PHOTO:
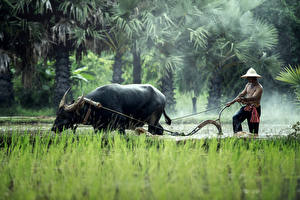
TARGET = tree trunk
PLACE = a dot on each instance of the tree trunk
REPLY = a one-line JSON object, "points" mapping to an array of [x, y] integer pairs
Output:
{"points": [[137, 67], [167, 89], [6, 88], [62, 73], [194, 100], [214, 90], [28, 69], [117, 69]]}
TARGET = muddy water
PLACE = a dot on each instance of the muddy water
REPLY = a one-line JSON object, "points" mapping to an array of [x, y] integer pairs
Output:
{"points": [[267, 130], [210, 131]]}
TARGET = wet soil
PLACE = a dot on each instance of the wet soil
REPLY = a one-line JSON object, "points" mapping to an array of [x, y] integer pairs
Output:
{"points": [[267, 130]]}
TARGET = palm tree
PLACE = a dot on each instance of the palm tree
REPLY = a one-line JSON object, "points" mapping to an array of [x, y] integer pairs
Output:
{"points": [[191, 78], [160, 34], [137, 65], [56, 28], [126, 30], [143, 30], [19, 43], [6, 86], [118, 44], [78, 26], [6, 92], [192, 38], [230, 37]]}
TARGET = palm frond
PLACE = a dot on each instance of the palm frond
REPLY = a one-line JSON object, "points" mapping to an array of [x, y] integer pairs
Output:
{"points": [[199, 37], [108, 40], [40, 48], [4, 60], [265, 35], [269, 64], [19, 6], [165, 20], [290, 75], [126, 6], [170, 62], [36, 30], [232, 10], [81, 36], [136, 25], [149, 24], [242, 50], [247, 5], [9, 4], [77, 10], [61, 30], [124, 27], [43, 6], [246, 22]]}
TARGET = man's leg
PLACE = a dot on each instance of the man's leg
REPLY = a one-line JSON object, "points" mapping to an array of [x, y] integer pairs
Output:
{"points": [[253, 127], [238, 119]]}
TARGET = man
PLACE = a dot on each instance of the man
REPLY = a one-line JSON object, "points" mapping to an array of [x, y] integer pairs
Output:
{"points": [[251, 97]]}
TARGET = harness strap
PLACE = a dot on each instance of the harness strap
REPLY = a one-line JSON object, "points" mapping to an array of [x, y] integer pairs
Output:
{"points": [[88, 113], [94, 103], [99, 105]]}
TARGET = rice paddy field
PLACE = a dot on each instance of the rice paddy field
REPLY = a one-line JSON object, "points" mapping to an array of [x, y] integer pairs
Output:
{"points": [[38, 164]]}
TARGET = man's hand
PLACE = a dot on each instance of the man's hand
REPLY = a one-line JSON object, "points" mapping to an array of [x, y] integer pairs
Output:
{"points": [[237, 99], [229, 103]]}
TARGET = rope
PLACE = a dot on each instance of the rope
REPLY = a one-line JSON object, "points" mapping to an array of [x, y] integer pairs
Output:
{"points": [[144, 122], [185, 116], [98, 105]]}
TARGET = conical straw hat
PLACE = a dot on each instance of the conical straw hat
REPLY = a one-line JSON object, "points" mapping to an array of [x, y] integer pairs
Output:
{"points": [[251, 73]]}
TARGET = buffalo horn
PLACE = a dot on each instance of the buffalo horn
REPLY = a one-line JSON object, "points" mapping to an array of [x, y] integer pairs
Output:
{"points": [[63, 100], [74, 105]]}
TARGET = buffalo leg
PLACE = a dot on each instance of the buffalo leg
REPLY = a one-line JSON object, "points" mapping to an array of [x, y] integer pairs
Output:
{"points": [[154, 127], [119, 123]]}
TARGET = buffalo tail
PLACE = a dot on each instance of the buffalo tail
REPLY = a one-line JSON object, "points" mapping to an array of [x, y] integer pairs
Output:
{"points": [[167, 118]]}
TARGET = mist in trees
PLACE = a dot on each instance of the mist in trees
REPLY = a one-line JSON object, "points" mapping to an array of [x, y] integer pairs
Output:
{"points": [[185, 46]]}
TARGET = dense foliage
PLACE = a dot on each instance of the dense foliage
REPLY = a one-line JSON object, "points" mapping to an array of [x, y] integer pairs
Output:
{"points": [[181, 46]]}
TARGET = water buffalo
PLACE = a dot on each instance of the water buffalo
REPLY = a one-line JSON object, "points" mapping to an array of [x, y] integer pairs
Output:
{"points": [[139, 101]]}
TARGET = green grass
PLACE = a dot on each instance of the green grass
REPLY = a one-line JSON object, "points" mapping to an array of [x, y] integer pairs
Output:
{"points": [[30, 112], [97, 166], [26, 120], [20, 115]]}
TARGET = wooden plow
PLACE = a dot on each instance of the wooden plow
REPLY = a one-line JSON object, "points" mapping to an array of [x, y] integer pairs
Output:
{"points": [[216, 123]]}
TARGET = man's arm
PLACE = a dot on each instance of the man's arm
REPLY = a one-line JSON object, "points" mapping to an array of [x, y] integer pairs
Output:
{"points": [[238, 98]]}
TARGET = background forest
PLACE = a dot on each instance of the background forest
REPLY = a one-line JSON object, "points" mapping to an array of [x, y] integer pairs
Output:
{"points": [[193, 51]]}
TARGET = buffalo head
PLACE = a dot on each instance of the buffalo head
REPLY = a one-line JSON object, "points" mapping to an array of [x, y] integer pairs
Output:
{"points": [[66, 114]]}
